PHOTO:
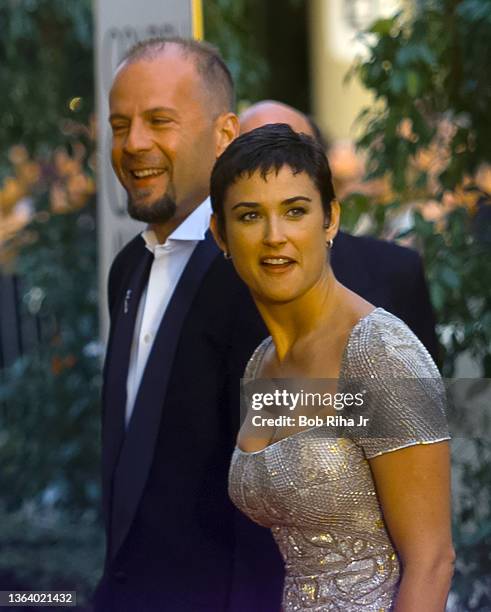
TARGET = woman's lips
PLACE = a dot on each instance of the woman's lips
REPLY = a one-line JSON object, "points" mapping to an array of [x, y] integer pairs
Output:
{"points": [[277, 264]]}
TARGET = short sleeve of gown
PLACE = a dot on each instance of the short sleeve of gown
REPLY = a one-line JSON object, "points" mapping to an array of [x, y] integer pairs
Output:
{"points": [[403, 394], [255, 360]]}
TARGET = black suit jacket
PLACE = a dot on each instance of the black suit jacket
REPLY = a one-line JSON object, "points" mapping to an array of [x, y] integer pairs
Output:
{"points": [[174, 541]]}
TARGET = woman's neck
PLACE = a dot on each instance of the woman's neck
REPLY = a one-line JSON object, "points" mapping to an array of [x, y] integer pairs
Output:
{"points": [[290, 322]]}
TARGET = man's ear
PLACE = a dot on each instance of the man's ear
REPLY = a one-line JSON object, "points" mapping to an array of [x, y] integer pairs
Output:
{"points": [[214, 227], [332, 229], [227, 127]]}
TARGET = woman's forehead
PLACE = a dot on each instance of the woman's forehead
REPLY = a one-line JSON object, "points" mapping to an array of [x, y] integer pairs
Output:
{"points": [[275, 184], [274, 176]]}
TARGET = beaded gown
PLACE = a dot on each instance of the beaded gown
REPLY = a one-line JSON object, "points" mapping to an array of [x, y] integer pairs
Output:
{"points": [[315, 491]]}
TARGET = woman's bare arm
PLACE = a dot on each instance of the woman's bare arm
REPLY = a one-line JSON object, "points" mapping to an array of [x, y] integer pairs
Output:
{"points": [[413, 485]]}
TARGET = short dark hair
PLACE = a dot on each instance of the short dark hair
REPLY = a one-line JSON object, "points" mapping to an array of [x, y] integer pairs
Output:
{"points": [[265, 149], [208, 61]]}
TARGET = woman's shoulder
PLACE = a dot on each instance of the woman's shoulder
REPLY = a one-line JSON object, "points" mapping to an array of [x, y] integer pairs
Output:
{"points": [[404, 396], [380, 343]]}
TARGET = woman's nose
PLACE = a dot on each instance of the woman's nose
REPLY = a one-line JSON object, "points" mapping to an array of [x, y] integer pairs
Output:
{"points": [[274, 232]]}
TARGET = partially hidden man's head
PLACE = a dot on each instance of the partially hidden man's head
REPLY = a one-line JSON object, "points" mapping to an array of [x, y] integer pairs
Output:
{"points": [[171, 114], [272, 111]]}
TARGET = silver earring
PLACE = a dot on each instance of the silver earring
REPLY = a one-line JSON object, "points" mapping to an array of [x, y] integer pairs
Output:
{"points": [[329, 243], [227, 255]]}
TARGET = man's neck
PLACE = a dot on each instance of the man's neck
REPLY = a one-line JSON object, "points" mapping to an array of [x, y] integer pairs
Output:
{"points": [[164, 230]]}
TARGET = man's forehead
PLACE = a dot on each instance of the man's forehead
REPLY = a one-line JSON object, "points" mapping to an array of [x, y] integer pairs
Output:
{"points": [[171, 61], [169, 79]]}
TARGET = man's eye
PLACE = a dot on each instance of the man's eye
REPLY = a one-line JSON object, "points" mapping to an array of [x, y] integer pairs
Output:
{"points": [[298, 211], [160, 121], [118, 127]]}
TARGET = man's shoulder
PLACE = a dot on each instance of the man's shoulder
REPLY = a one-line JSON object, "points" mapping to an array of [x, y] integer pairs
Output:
{"points": [[375, 250], [131, 249], [130, 254], [223, 278], [223, 290], [122, 264]]}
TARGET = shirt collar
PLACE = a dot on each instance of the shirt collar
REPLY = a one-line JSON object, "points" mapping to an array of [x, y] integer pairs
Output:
{"points": [[194, 227]]}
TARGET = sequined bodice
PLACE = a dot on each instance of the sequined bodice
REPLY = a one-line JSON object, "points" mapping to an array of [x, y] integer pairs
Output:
{"points": [[316, 492]]}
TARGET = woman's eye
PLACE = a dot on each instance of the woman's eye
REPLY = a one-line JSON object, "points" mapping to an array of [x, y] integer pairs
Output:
{"points": [[249, 216], [298, 211]]}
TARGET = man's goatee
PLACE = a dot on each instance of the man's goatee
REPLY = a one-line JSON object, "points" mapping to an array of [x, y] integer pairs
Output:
{"points": [[159, 212]]}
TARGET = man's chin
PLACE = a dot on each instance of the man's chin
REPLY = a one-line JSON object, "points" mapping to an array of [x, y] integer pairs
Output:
{"points": [[158, 211]]}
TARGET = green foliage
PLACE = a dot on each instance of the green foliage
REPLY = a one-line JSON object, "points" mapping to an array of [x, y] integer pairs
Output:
{"points": [[433, 67], [472, 527], [228, 26], [46, 59], [431, 73], [49, 398], [430, 133], [50, 534], [48, 549], [457, 262]]}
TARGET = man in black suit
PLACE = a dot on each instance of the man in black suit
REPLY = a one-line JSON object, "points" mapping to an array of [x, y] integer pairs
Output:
{"points": [[384, 273], [182, 328]]}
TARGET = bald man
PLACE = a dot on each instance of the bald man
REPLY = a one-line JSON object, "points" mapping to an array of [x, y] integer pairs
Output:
{"points": [[383, 273], [183, 327], [270, 111]]}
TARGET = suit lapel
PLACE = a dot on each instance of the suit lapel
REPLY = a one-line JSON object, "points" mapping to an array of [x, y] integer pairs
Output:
{"points": [[137, 451], [116, 369]]}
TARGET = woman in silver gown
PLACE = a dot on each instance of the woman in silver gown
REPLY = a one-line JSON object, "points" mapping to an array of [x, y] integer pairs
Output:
{"points": [[361, 515]]}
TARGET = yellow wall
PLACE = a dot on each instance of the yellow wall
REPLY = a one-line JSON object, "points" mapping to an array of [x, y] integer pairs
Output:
{"points": [[335, 104]]}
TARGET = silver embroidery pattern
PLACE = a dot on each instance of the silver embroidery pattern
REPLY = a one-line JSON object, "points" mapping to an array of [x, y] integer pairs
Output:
{"points": [[316, 493]]}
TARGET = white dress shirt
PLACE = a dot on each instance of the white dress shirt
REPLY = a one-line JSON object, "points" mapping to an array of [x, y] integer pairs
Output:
{"points": [[170, 259]]}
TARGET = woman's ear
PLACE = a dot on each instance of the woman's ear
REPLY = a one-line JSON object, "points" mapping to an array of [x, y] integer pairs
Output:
{"points": [[332, 228], [215, 230]]}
